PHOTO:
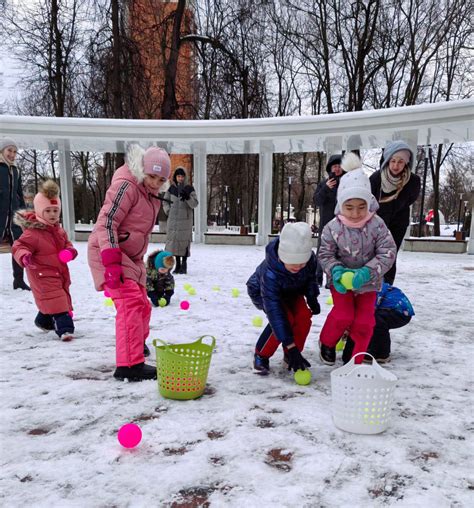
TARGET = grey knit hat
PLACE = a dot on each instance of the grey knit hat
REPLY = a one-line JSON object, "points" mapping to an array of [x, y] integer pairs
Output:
{"points": [[4, 142], [392, 148]]}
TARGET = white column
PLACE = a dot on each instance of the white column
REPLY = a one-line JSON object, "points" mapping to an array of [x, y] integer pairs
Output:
{"points": [[200, 184], [67, 193], [265, 177], [470, 245]]}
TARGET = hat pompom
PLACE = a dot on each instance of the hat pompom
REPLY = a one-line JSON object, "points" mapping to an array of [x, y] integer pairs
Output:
{"points": [[49, 189], [351, 161]]}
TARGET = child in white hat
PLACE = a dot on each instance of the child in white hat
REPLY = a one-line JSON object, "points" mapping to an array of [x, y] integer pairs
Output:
{"points": [[284, 286], [355, 241]]}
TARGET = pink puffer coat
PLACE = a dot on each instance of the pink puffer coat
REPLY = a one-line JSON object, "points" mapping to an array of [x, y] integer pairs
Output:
{"points": [[125, 221], [48, 276]]}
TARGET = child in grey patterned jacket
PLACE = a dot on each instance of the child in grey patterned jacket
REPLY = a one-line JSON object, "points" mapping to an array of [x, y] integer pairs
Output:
{"points": [[357, 243]]}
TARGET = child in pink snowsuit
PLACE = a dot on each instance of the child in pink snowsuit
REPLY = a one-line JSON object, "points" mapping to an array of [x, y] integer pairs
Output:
{"points": [[116, 249], [356, 241]]}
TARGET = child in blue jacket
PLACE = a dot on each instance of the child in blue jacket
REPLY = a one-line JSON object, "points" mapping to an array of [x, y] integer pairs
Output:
{"points": [[392, 310], [285, 287]]}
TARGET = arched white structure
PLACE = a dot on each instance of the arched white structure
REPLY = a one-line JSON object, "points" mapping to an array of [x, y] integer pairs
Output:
{"points": [[446, 122]]}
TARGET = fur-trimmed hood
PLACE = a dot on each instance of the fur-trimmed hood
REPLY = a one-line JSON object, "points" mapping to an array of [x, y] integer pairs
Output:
{"points": [[27, 219], [134, 160]]}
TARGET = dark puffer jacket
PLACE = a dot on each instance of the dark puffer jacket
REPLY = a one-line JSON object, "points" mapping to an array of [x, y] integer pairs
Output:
{"points": [[11, 198], [272, 285], [324, 197]]}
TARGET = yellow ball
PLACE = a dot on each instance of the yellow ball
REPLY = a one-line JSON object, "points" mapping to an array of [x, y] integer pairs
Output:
{"points": [[340, 345], [257, 321], [235, 292], [162, 302], [191, 291], [216, 288], [187, 286], [109, 302], [346, 280], [302, 377], [329, 300]]}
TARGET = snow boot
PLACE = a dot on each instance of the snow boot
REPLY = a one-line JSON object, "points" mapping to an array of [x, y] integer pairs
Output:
{"points": [[18, 282], [327, 354], [184, 265], [177, 270], [44, 322], [138, 372], [261, 365]]}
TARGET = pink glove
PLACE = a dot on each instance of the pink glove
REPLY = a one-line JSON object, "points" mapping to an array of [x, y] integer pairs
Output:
{"points": [[112, 260], [67, 255], [27, 261]]}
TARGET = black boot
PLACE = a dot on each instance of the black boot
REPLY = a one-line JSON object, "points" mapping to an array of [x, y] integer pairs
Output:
{"points": [[146, 350], [184, 265], [18, 282], [138, 372], [178, 265]]}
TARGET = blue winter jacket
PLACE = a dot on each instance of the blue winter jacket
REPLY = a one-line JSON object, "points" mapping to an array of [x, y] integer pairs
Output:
{"points": [[272, 285], [390, 297]]}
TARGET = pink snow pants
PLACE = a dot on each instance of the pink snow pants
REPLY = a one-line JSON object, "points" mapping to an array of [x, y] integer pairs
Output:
{"points": [[132, 322], [353, 312]]}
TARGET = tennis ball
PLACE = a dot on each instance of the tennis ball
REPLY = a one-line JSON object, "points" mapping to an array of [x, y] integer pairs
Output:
{"points": [[108, 302], [329, 300], [216, 288], [346, 280], [191, 291], [340, 345], [162, 302], [187, 286], [302, 377], [235, 292], [257, 321]]}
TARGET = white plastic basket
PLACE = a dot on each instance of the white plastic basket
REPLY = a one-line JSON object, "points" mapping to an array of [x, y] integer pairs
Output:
{"points": [[362, 397]]}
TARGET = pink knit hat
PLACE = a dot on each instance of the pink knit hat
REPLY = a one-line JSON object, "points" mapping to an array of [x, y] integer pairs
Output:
{"points": [[156, 162], [46, 197]]}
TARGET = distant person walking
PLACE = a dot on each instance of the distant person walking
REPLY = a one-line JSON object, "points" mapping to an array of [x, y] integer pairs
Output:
{"points": [[11, 200], [325, 199], [396, 188], [179, 201]]}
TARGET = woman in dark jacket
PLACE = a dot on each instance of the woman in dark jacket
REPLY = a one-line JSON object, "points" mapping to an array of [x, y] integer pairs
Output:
{"points": [[325, 198], [11, 200], [396, 188]]}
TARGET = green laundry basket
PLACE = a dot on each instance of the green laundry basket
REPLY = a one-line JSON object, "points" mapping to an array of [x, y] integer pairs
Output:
{"points": [[182, 368]]}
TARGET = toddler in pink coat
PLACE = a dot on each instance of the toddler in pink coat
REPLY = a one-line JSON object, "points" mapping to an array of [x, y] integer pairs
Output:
{"points": [[116, 249], [44, 250]]}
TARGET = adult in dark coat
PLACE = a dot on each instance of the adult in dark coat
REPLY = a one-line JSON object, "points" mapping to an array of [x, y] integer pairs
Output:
{"points": [[11, 200], [396, 188], [325, 199]]}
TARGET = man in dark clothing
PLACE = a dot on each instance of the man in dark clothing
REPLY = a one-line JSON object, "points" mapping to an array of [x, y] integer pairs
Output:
{"points": [[11, 200], [325, 199]]}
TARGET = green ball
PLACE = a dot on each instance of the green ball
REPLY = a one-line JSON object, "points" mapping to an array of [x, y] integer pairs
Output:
{"points": [[187, 286], [303, 377], [340, 345], [191, 291], [346, 280], [162, 302], [257, 321], [108, 302], [329, 300], [216, 288], [235, 292]]}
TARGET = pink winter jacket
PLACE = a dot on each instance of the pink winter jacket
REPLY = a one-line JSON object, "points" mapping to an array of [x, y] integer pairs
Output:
{"points": [[125, 221]]}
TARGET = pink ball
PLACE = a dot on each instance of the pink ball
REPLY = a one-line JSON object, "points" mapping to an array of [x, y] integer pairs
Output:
{"points": [[184, 305], [129, 435], [65, 256], [106, 294], [71, 313]]}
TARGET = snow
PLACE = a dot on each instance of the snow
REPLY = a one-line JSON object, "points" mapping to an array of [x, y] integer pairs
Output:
{"points": [[249, 441]]}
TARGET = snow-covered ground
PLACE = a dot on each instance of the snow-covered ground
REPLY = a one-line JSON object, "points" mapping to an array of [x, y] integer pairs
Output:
{"points": [[249, 441]]}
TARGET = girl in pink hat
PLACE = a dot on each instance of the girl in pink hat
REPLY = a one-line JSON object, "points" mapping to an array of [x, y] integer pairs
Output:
{"points": [[44, 250], [116, 249]]}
